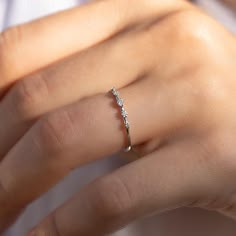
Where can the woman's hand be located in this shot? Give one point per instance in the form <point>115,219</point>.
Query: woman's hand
<point>25,49</point>
<point>175,68</point>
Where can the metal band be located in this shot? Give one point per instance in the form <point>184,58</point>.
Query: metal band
<point>124,115</point>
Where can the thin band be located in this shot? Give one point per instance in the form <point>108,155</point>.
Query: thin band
<point>124,115</point>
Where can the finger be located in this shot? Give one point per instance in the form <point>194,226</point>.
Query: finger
<point>81,133</point>
<point>26,48</point>
<point>164,180</point>
<point>116,62</point>
<point>100,68</point>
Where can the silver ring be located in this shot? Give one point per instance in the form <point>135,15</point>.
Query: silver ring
<point>124,115</point>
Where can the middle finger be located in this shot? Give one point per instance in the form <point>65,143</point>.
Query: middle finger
<point>93,71</point>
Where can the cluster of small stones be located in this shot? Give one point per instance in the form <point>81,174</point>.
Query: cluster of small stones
<point>120,103</point>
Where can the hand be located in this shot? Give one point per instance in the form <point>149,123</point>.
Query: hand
<point>27,48</point>
<point>179,89</point>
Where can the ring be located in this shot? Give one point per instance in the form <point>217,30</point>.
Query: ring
<point>124,114</point>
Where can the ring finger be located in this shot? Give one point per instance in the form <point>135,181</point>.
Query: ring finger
<point>78,134</point>
<point>92,72</point>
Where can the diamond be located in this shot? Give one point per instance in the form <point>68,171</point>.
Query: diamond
<point>126,124</point>
<point>115,92</point>
<point>124,113</point>
<point>120,102</point>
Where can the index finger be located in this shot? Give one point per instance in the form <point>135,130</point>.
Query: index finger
<point>29,47</point>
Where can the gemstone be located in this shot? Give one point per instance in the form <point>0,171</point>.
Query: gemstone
<point>124,113</point>
<point>120,102</point>
<point>127,124</point>
<point>115,92</point>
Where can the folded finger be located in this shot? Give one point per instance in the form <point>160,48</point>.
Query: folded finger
<point>161,181</point>
<point>81,133</point>
<point>28,47</point>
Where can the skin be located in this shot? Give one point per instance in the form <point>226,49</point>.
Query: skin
<point>175,68</point>
<point>232,3</point>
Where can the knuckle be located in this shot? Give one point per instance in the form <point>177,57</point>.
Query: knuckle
<point>192,28</point>
<point>28,96</point>
<point>185,27</point>
<point>53,134</point>
<point>112,198</point>
<point>195,29</point>
<point>10,50</point>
